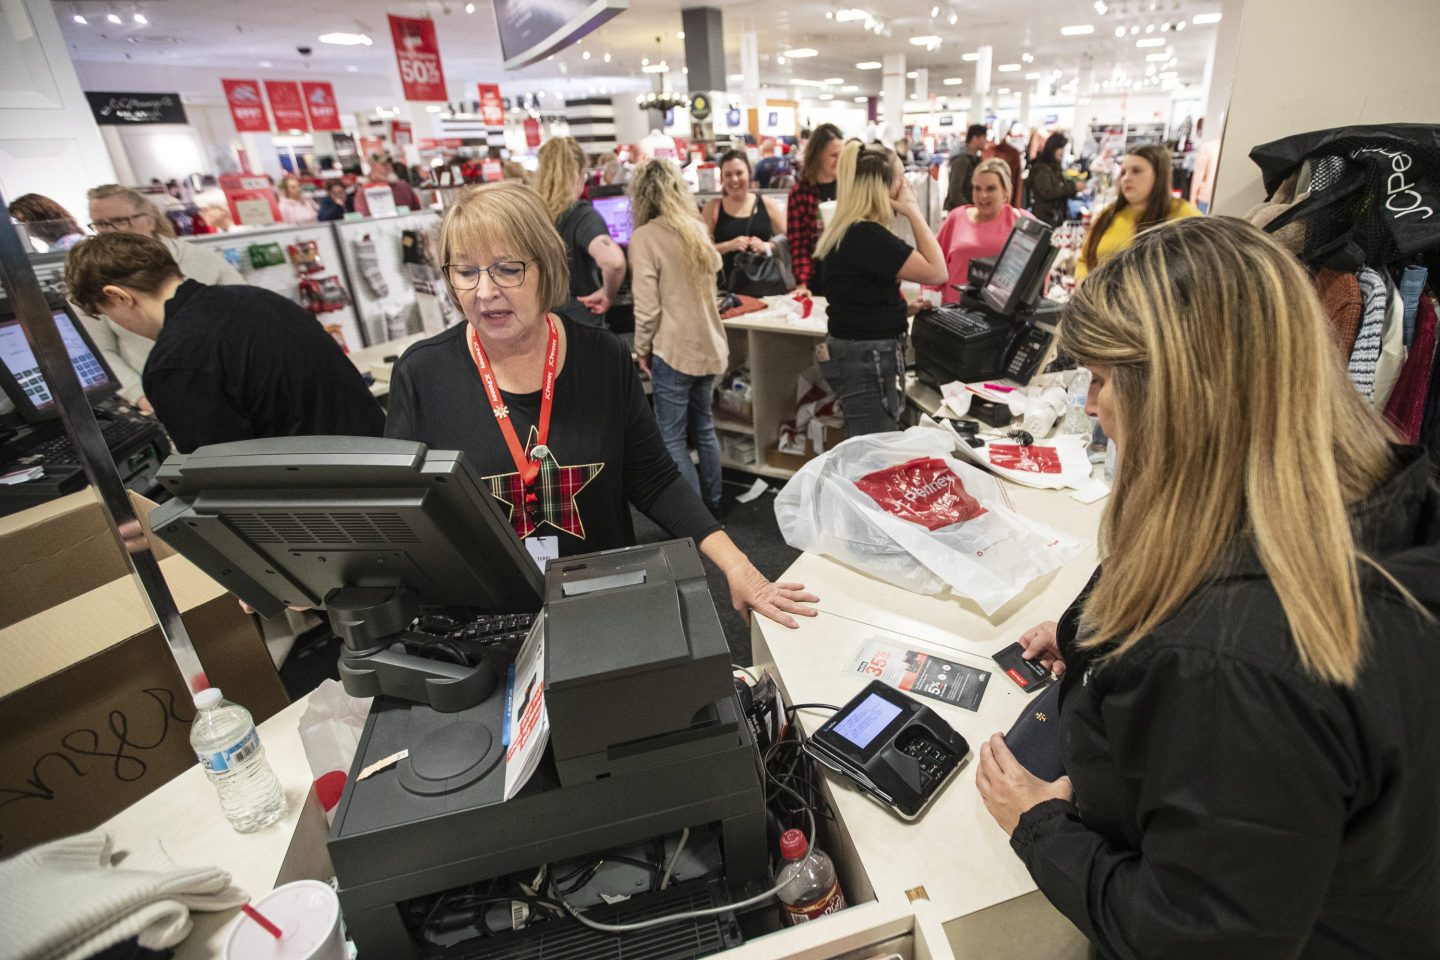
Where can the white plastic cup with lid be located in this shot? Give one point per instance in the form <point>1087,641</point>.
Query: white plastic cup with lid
<point>308,915</point>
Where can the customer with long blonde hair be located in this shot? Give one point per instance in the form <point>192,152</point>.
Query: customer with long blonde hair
<point>1249,727</point>
<point>679,339</point>
<point>862,264</point>
<point>597,264</point>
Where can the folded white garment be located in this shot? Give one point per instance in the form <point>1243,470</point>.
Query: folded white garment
<point>73,897</point>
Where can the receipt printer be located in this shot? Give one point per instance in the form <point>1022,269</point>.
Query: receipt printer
<point>637,669</point>
<point>896,749</point>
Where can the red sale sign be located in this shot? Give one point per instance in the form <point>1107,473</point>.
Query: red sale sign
<point>247,109</point>
<point>287,105</point>
<point>532,132</point>
<point>320,104</point>
<point>923,491</point>
<point>492,108</point>
<point>418,54</point>
<point>402,134</point>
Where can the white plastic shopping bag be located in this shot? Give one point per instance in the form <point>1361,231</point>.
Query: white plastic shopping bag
<point>899,507</point>
<point>330,731</point>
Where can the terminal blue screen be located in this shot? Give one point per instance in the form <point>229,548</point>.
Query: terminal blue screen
<point>867,720</point>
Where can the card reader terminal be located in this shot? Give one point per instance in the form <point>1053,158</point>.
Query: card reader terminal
<point>899,751</point>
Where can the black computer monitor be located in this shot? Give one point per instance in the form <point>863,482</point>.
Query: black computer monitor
<point>23,381</point>
<point>372,530</point>
<point>287,520</point>
<point>1021,268</point>
<point>615,211</point>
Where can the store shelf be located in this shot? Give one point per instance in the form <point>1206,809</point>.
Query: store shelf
<point>733,425</point>
<point>759,470</point>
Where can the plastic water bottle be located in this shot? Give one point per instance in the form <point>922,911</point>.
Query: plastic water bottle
<point>1076,419</point>
<point>809,887</point>
<point>224,738</point>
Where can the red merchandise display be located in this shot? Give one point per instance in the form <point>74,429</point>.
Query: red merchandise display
<point>321,106</point>
<point>251,199</point>
<point>418,53</point>
<point>287,105</point>
<point>402,133</point>
<point>247,108</point>
<point>532,132</point>
<point>492,108</point>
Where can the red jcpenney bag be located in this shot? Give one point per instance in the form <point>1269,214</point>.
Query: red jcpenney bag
<point>899,507</point>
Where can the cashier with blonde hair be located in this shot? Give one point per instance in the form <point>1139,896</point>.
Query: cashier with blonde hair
<point>551,412</point>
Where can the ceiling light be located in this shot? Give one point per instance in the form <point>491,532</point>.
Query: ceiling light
<point>868,65</point>
<point>1134,31</point>
<point>585,55</point>
<point>685,71</point>
<point>655,68</point>
<point>1078,30</point>
<point>266,63</point>
<point>834,79</point>
<point>139,18</point>
<point>827,96</point>
<point>800,53</point>
<point>806,83</point>
<point>846,16</point>
<point>1003,90</point>
<point>469,8</point>
<point>1149,28</point>
<point>924,41</point>
<point>780,60</point>
<point>1032,76</point>
<point>969,57</point>
<point>1027,57</point>
<point>1151,42</point>
<point>1203,18</point>
<point>1100,7</point>
<point>911,75</point>
<point>861,99</point>
<point>1119,31</point>
<point>113,17</point>
<point>644,61</point>
<point>954,18</point>
<point>1009,68</point>
<point>736,78</point>
<point>1180,25</point>
<point>347,39</point>
<point>79,17</point>
<point>953,81</point>
<point>606,58</point>
<point>679,34</point>
<point>1157,57</point>
<point>934,12</point>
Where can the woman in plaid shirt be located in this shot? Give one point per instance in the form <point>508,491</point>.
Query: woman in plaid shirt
<point>802,210</point>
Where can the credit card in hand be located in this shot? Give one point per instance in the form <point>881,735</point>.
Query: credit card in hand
<point>1029,675</point>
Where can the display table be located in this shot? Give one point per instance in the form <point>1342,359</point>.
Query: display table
<point>944,886</point>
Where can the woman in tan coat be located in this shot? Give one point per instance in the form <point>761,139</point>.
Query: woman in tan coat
<point>679,339</point>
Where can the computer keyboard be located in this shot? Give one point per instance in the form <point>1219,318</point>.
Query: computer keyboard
<point>959,318</point>
<point>491,628</point>
<point>59,451</point>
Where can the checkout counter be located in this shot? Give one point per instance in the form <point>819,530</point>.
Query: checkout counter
<point>944,886</point>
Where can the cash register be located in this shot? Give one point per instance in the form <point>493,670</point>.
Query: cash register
<point>1001,326</point>
<point>406,551</point>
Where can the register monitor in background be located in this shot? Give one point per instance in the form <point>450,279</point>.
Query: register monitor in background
<point>1005,330</point>
<point>615,211</point>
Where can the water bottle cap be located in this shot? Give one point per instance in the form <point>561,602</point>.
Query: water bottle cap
<point>207,698</point>
<point>793,844</point>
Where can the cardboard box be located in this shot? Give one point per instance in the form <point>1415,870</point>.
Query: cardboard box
<point>93,710</point>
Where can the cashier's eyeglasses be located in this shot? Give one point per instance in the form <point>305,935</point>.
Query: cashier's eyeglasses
<point>503,273</point>
<point>115,223</point>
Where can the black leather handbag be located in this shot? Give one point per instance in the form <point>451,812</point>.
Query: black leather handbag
<point>759,274</point>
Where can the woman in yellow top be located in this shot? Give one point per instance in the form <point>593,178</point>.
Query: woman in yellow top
<point>1144,201</point>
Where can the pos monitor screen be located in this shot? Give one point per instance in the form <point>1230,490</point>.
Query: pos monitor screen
<point>23,381</point>
<point>615,211</point>
<point>285,521</point>
<point>1021,268</point>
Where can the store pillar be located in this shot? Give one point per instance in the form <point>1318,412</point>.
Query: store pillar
<point>893,115</point>
<point>980,93</point>
<point>705,63</point>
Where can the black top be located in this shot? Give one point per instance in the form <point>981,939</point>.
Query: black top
<point>607,448</point>
<point>1227,804</point>
<point>862,283</point>
<point>239,363</point>
<point>330,210</point>
<point>578,226</point>
<point>828,191</point>
<point>728,228</point>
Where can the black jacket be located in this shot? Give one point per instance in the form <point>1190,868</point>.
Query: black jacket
<point>1049,192</point>
<point>1227,805</point>
<point>962,170</point>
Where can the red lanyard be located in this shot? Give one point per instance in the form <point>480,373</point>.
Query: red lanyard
<point>528,467</point>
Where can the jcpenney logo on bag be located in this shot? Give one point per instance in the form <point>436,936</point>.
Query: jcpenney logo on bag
<point>923,491</point>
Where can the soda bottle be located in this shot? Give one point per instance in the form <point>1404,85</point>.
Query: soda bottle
<point>809,887</point>
<point>224,738</point>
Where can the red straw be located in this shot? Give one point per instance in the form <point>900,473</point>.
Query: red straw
<point>259,918</point>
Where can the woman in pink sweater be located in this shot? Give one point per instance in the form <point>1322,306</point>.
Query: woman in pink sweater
<point>979,229</point>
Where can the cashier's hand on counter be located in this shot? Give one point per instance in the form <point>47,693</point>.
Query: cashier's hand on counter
<point>1008,789</point>
<point>750,590</point>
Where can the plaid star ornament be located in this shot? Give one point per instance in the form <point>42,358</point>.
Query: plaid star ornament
<point>551,496</point>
